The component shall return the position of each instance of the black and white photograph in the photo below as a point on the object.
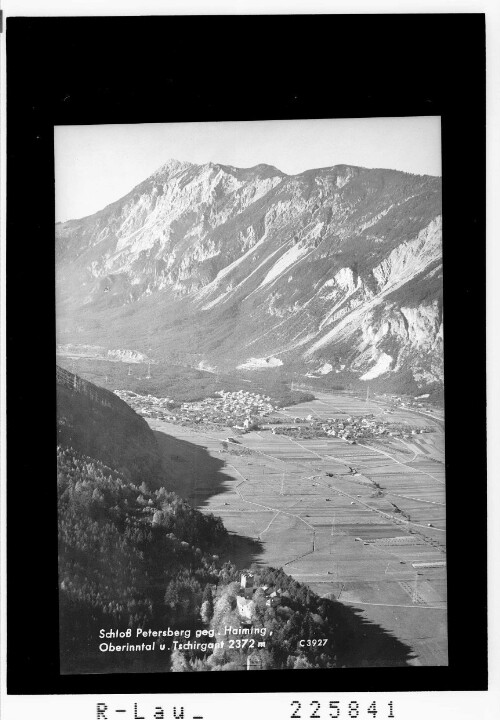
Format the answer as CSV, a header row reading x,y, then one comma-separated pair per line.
x,y
253,245
250,395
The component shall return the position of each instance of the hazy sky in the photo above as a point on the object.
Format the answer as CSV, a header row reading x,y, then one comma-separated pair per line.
x,y
97,164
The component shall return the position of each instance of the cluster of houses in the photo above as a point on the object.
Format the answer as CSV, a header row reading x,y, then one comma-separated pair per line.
x,y
147,405
237,409
349,428
244,599
397,401
241,409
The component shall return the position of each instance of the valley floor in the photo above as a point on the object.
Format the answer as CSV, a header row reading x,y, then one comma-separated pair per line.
x,y
361,523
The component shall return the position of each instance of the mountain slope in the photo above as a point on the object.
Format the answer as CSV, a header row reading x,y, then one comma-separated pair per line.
x,y
335,267
96,422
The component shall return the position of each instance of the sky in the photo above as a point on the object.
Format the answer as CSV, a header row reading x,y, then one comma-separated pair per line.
x,y
98,164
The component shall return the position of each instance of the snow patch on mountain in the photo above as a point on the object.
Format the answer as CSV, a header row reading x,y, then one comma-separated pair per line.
x,y
289,258
260,363
215,284
202,365
132,356
325,369
382,366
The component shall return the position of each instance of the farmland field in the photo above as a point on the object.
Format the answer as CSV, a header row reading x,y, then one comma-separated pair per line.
x,y
349,520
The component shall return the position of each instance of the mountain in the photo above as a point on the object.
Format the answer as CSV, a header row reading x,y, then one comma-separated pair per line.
x,y
94,421
334,270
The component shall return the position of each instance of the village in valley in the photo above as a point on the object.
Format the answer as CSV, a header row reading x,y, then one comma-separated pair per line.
x,y
229,409
243,411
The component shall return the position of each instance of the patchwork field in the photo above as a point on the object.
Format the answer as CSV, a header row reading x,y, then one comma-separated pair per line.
x,y
350,520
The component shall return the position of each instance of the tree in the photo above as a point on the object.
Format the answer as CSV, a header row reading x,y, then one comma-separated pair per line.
x,y
178,662
301,663
207,605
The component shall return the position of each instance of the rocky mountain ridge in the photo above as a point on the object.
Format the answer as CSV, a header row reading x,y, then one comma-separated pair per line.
x,y
338,266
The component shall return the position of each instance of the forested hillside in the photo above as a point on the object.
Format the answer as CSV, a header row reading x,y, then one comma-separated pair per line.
x,y
95,421
142,574
129,557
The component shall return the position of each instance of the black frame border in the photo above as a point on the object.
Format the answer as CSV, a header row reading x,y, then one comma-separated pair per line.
x,y
172,69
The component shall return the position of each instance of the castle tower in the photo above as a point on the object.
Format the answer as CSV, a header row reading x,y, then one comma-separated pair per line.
x,y
247,584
